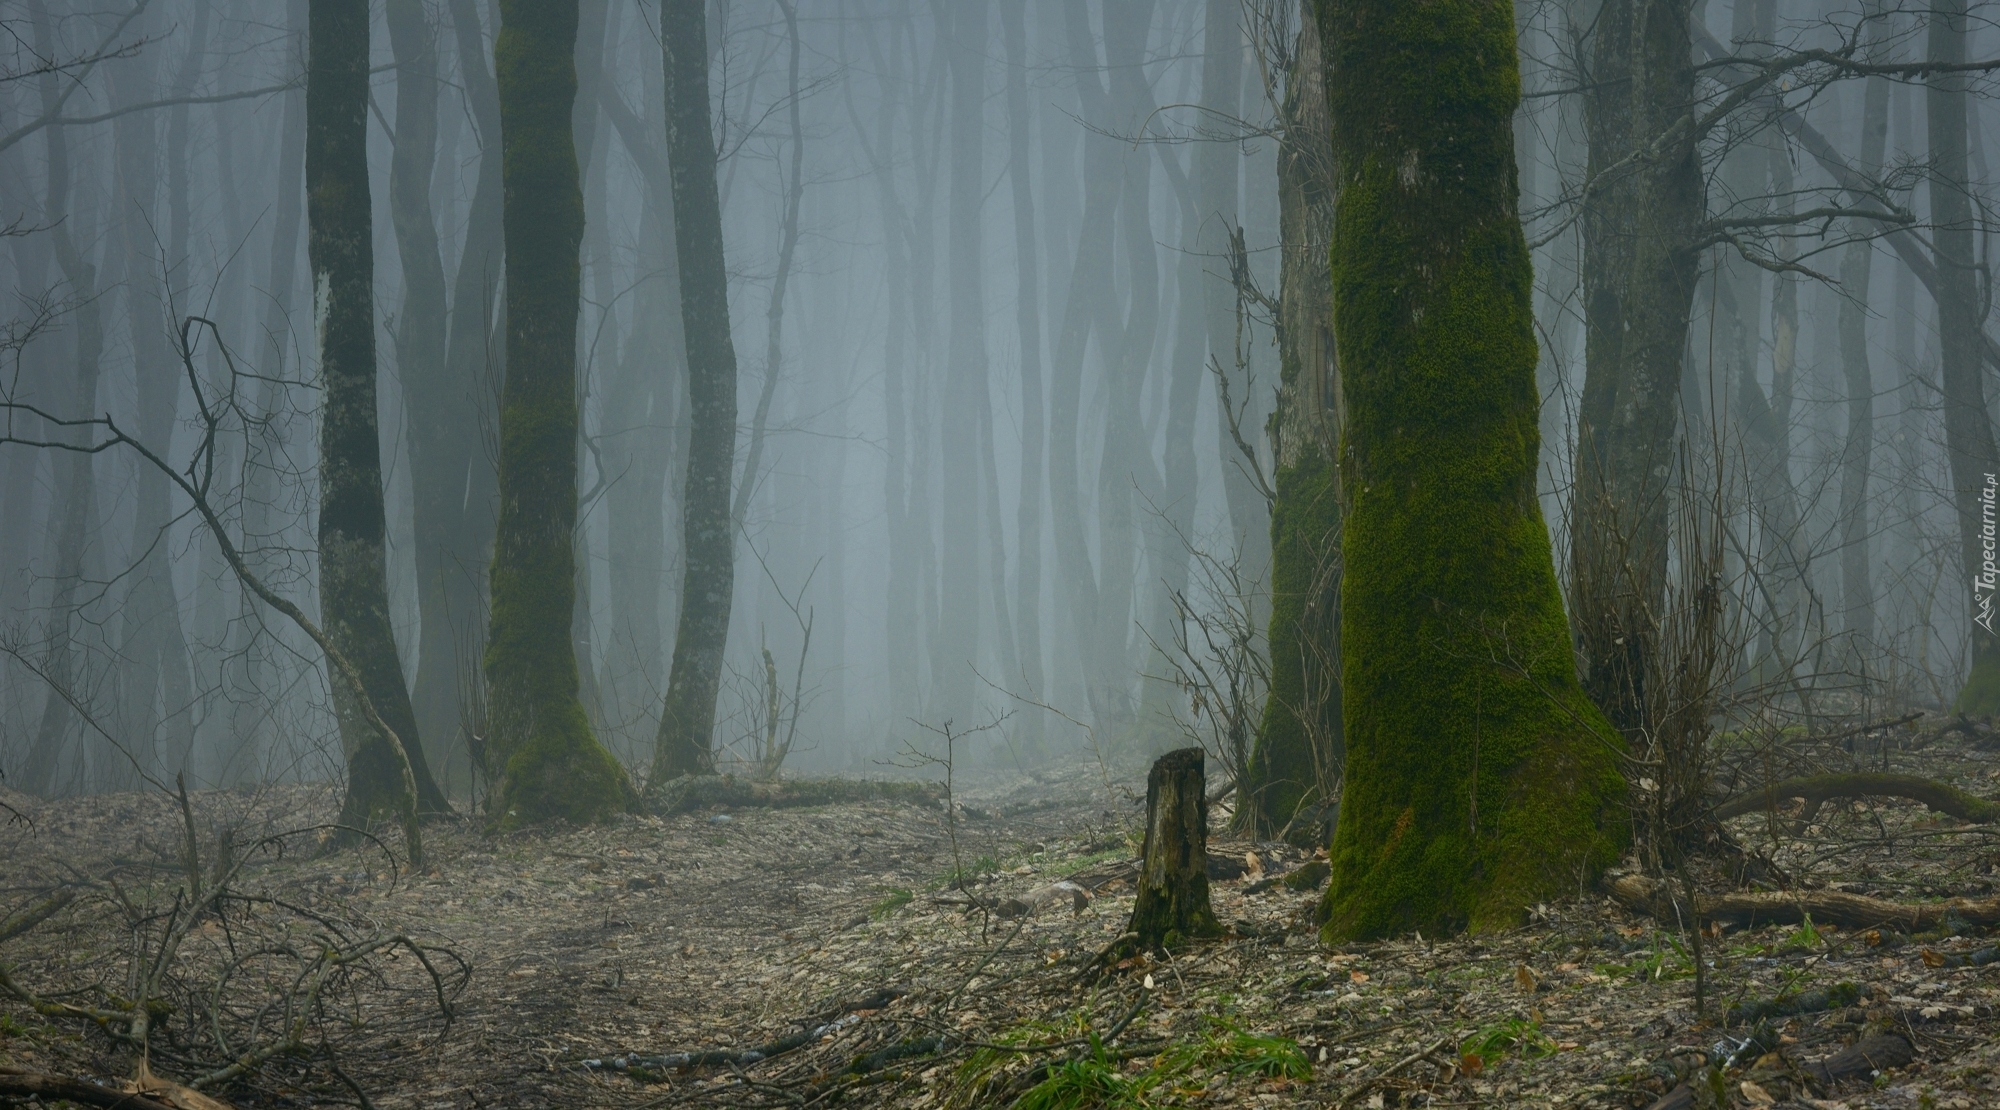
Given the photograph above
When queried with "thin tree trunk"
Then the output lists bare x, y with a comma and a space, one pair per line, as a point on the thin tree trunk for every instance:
688, 718
76, 503
1967, 424
1472, 789
638, 439
1639, 278
1028, 321
354, 591
1857, 453
157, 687
1090, 282
253, 684
430, 411
963, 38
774, 311
1299, 747
452, 646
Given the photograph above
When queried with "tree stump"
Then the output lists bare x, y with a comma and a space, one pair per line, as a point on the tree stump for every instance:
1173, 874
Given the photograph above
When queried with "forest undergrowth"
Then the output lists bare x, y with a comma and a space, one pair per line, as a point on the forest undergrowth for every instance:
885, 952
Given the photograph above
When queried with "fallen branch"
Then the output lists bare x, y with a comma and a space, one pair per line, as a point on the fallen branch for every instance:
1874, 1053
1817, 789
1811, 1002
1786, 907
40, 913
15, 1083
641, 1066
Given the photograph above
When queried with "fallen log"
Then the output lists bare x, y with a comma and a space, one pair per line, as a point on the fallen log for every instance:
1818, 789
16, 1083
1788, 907
1873, 1053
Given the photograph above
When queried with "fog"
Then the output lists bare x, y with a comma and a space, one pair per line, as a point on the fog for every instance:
1004, 400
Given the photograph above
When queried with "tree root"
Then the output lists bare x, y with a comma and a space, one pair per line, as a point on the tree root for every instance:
1785, 907
1818, 789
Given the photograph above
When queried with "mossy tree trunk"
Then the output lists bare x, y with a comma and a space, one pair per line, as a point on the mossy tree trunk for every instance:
1172, 904
1297, 760
1478, 776
1639, 272
353, 570
709, 576
544, 760
1967, 426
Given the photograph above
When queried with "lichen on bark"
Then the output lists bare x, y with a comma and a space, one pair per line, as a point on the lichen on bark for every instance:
1479, 778
354, 591
540, 751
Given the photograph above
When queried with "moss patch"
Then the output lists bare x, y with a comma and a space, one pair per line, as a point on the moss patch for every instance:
1479, 779
1303, 703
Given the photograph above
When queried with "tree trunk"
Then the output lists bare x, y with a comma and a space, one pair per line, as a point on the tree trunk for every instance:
157, 688
962, 36
1028, 320
431, 408
453, 637
1299, 747
1479, 778
1639, 278
354, 591
544, 760
1172, 904
1857, 453
688, 718
642, 409
1968, 428
75, 509
253, 680
1090, 281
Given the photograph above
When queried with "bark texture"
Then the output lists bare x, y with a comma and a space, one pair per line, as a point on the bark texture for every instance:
1172, 904
1968, 428
1639, 227
1479, 778
437, 462
708, 582
1299, 746
544, 760
353, 570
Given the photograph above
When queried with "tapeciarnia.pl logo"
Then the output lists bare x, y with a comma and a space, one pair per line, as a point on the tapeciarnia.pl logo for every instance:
1989, 574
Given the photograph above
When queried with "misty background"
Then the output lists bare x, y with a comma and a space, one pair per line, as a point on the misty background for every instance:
997, 355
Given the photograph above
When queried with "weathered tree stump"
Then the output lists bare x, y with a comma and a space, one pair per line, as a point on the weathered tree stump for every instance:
1173, 874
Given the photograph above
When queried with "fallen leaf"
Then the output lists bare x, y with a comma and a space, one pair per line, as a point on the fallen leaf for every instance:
1757, 1095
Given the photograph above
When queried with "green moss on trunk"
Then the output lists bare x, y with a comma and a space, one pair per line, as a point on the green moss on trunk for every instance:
1301, 723
1478, 778
1296, 765
545, 761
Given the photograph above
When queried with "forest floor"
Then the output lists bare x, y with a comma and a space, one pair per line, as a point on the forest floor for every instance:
575, 964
